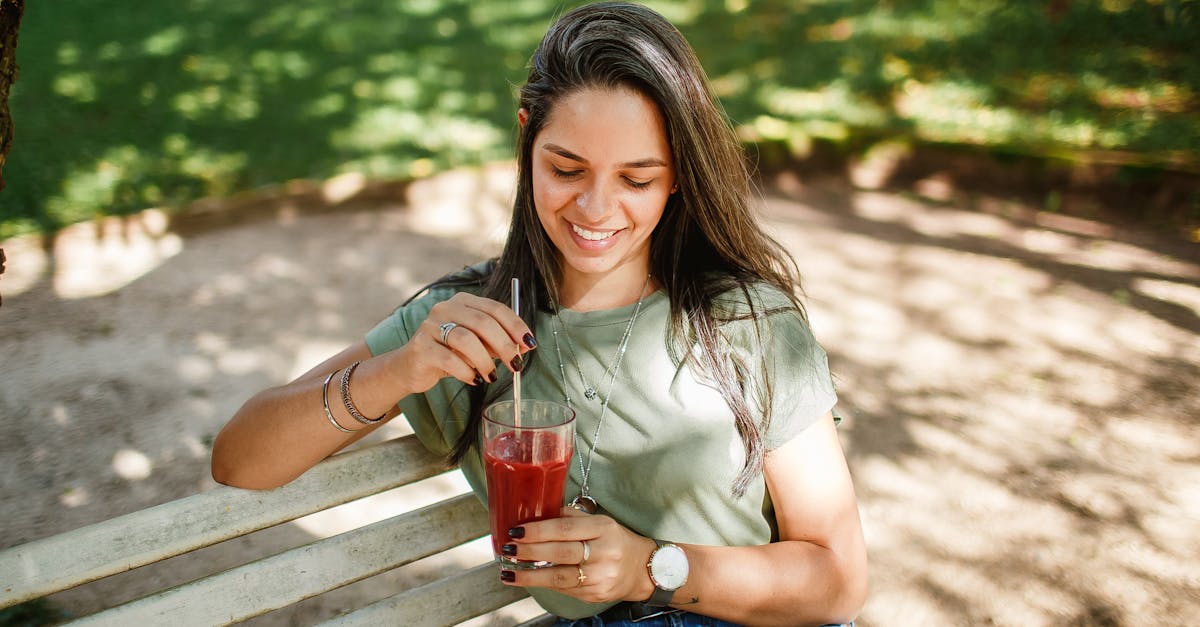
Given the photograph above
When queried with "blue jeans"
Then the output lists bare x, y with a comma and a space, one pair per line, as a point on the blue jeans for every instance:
677, 619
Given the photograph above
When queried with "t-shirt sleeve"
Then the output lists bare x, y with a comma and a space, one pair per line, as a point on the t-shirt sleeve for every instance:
797, 383
395, 330
437, 415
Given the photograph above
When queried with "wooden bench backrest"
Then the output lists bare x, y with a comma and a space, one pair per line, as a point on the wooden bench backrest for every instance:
70, 559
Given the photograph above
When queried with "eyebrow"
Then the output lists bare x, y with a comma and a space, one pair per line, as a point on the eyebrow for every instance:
648, 162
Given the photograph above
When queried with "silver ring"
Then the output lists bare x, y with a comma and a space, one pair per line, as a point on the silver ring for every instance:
582, 577
587, 552
446, 329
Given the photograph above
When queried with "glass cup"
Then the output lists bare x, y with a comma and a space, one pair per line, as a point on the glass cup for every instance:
526, 467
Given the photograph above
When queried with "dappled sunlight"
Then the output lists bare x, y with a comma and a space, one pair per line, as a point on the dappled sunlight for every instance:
1013, 388
303, 90
257, 98
27, 264
940, 21
311, 353
371, 509
1018, 390
438, 204
132, 465
74, 497
1178, 293
194, 369
98, 258
836, 101
78, 86
955, 111
1068, 79
120, 393
343, 187
1020, 386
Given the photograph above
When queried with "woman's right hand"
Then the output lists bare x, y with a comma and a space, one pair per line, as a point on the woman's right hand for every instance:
486, 330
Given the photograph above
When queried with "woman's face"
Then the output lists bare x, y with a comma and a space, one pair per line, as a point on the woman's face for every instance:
602, 173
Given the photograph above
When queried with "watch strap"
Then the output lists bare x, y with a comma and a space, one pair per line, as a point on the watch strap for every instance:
661, 597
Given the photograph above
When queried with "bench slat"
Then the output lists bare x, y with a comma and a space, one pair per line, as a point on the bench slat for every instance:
76, 557
545, 620
295, 575
442, 603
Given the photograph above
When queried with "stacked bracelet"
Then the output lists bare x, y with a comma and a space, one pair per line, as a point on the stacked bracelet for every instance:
350, 403
325, 402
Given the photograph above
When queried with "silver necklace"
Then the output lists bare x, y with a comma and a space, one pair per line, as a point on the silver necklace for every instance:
585, 502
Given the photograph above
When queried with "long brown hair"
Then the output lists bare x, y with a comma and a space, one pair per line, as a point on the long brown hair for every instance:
707, 242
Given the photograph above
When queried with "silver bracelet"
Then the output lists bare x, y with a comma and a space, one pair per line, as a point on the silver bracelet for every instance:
350, 403
325, 401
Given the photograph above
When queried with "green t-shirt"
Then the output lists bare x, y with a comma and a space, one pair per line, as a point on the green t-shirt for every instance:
668, 451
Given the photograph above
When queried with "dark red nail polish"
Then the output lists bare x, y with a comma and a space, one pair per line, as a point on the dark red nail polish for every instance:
508, 549
516, 532
508, 576
478, 379
492, 377
529, 340
517, 363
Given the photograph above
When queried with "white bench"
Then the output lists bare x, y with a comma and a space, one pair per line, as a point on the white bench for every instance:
41, 567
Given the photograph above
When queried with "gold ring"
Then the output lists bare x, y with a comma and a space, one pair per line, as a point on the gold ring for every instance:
582, 577
587, 552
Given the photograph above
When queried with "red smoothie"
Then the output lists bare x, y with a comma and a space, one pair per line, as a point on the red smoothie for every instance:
520, 491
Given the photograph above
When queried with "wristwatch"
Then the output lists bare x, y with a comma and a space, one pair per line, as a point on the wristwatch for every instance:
668, 568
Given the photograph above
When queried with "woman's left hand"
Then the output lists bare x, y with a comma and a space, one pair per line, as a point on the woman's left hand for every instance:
615, 569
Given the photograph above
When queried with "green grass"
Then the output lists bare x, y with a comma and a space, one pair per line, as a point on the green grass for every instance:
1114, 79
119, 108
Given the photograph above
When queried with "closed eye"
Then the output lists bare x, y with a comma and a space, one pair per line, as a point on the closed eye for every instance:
565, 174
638, 184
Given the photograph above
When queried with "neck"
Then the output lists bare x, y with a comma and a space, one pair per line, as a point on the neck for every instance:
619, 288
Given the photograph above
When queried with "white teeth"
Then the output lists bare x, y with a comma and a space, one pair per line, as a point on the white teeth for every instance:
594, 236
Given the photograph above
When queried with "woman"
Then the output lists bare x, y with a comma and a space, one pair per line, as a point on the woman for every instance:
661, 312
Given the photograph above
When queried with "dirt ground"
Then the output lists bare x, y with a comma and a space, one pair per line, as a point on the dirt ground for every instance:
1022, 389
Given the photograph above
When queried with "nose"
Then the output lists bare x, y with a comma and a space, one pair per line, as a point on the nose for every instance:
595, 202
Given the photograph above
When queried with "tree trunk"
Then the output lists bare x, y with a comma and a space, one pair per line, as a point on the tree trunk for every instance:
10, 21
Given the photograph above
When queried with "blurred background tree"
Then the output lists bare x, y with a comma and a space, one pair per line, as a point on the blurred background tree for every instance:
10, 22
122, 110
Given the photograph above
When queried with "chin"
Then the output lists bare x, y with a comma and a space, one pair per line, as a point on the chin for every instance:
591, 266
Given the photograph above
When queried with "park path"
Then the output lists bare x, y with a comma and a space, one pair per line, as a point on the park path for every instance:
1022, 390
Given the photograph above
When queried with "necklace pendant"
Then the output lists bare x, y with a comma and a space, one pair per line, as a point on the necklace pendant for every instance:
590, 393
585, 504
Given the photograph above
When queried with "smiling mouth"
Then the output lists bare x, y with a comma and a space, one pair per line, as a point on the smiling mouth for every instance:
592, 236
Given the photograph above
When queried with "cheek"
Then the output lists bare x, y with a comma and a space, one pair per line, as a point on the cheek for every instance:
650, 211
545, 201
550, 195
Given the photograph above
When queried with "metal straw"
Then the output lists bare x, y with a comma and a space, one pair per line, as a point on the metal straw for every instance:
516, 307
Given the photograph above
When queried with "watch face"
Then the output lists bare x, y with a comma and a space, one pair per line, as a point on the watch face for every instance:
669, 567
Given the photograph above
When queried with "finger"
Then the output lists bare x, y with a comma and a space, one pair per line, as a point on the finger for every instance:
451, 363
492, 335
555, 552
513, 325
502, 332
464, 340
499, 339
454, 356
563, 578
566, 528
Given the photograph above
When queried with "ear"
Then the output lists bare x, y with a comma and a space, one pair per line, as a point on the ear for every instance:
522, 116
